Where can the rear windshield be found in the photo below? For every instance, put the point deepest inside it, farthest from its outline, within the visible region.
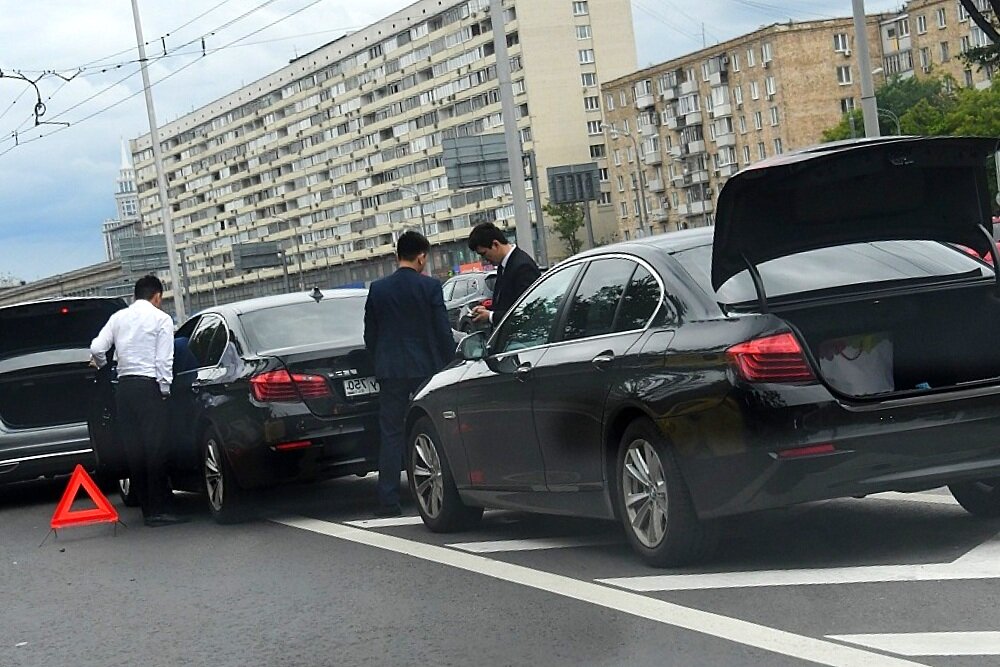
(53, 325)
(840, 266)
(337, 322)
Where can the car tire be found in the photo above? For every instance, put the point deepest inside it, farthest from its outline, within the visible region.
(432, 484)
(127, 493)
(654, 503)
(226, 500)
(980, 498)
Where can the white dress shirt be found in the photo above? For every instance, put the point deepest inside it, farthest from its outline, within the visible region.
(143, 336)
(503, 265)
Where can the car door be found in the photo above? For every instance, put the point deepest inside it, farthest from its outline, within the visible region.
(199, 385)
(613, 302)
(494, 412)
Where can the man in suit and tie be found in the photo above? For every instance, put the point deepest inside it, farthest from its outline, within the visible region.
(516, 270)
(408, 335)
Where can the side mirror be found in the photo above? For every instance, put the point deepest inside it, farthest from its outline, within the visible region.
(472, 347)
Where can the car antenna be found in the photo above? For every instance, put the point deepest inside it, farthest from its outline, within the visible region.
(316, 295)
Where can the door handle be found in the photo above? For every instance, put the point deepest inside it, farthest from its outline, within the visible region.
(603, 360)
(523, 372)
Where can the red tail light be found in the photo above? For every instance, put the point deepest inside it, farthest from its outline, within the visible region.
(487, 303)
(284, 387)
(777, 358)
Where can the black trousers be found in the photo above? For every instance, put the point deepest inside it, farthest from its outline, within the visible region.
(142, 420)
(394, 398)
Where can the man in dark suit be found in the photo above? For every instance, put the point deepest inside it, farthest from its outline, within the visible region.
(408, 335)
(516, 270)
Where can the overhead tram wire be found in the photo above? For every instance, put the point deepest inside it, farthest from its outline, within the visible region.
(662, 19)
(776, 11)
(159, 81)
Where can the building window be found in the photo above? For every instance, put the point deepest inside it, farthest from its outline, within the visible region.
(751, 58)
(778, 148)
(925, 59)
(774, 116)
(623, 97)
(942, 18)
(589, 79)
(630, 154)
(966, 43)
(738, 94)
(761, 150)
(580, 8)
(758, 120)
(754, 91)
(968, 78)
(945, 53)
(592, 103)
(963, 15)
(597, 151)
(621, 184)
(844, 75)
(586, 56)
(735, 61)
(746, 155)
(766, 53)
(904, 28)
(618, 158)
(743, 124)
(603, 172)
(609, 100)
(770, 87)
(623, 209)
(846, 105)
(594, 127)
(626, 127)
(583, 32)
(840, 43)
(921, 25)
(604, 199)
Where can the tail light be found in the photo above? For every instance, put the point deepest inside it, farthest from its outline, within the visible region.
(487, 303)
(777, 358)
(284, 387)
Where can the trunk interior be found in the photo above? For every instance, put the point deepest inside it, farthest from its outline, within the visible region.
(923, 341)
(46, 392)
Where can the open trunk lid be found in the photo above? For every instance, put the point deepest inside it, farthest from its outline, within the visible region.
(919, 188)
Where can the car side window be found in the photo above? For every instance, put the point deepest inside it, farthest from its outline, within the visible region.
(591, 312)
(531, 322)
(448, 289)
(209, 341)
(461, 289)
(640, 301)
(491, 280)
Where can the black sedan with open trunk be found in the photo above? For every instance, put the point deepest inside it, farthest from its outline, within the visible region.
(283, 390)
(828, 338)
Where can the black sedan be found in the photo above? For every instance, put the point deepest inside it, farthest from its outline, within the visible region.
(828, 338)
(282, 391)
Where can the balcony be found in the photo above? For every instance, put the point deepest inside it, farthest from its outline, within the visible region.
(718, 78)
(725, 140)
(699, 208)
(696, 177)
(693, 118)
(670, 94)
(683, 209)
(648, 130)
(675, 122)
(658, 215)
(721, 110)
(727, 170)
(655, 185)
(677, 179)
(675, 152)
(696, 146)
(689, 87)
(653, 157)
(644, 102)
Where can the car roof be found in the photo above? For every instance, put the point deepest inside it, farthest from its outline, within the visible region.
(265, 302)
(63, 299)
(669, 242)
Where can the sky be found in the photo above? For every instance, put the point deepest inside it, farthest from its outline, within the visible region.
(56, 190)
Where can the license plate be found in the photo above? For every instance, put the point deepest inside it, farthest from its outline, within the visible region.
(360, 387)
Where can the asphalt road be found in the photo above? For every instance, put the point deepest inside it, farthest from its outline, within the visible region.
(313, 581)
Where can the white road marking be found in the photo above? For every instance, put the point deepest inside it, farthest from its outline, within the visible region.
(533, 544)
(929, 643)
(983, 562)
(743, 632)
(389, 522)
(931, 498)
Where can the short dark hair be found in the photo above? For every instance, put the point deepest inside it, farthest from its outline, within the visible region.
(484, 234)
(411, 245)
(147, 287)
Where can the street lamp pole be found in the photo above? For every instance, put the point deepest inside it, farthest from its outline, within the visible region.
(894, 117)
(868, 104)
(640, 186)
(298, 254)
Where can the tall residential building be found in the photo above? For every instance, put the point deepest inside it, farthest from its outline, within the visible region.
(682, 128)
(338, 152)
(126, 223)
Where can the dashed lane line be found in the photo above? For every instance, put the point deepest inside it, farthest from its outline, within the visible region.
(819, 651)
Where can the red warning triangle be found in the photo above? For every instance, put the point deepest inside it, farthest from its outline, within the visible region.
(103, 513)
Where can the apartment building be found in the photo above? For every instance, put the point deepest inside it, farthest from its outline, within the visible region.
(339, 152)
(928, 38)
(126, 223)
(678, 130)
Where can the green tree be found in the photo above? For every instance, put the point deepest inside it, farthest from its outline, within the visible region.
(568, 219)
(896, 97)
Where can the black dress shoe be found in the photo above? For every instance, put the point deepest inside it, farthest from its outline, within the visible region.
(155, 520)
(386, 511)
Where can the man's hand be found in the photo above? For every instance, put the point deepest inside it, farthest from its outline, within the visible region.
(480, 315)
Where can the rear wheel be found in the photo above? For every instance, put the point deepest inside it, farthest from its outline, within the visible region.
(432, 484)
(654, 503)
(981, 498)
(226, 500)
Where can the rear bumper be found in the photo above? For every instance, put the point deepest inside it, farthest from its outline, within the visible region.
(44, 452)
(903, 447)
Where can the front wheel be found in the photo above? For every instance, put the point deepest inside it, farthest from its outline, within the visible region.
(654, 503)
(226, 500)
(432, 484)
(981, 498)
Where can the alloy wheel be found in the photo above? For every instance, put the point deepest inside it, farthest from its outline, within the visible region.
(427, 475)
(644, 488)
(124, 486)
(213, 474)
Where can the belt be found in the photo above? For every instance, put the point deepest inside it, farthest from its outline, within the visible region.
(143, 378)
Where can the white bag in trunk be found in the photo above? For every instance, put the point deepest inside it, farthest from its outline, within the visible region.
(858, 365)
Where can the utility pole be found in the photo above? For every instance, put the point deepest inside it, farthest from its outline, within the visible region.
(423, 222)
(515, 160)
(869, 108)
(543, 243)
(161, 178)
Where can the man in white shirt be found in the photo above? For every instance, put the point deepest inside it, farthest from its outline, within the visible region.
(143, 338)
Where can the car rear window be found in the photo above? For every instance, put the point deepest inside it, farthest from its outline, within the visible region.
(840, 266)
(53, 325)
(333, 321)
